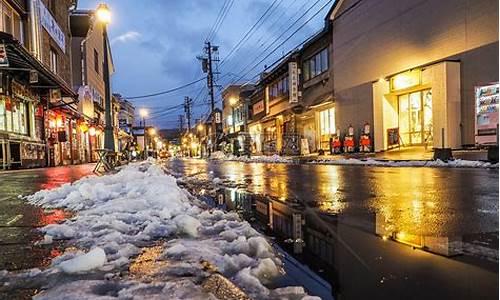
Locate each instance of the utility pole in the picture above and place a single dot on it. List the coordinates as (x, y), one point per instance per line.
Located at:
(210, 76)
(181, 123)
(187, 109)
(211, 53)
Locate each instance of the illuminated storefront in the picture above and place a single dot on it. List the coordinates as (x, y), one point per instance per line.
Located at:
(326, 127)
(21, 142)
(418, 107)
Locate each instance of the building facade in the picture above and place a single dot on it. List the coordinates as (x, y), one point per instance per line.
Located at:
(414, 70)
(37, 111)
(88, 80)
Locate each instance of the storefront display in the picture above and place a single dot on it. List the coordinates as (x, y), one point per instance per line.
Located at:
(487, 114)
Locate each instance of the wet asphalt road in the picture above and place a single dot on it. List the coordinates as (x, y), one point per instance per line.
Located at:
(18, 219)
(449, 206)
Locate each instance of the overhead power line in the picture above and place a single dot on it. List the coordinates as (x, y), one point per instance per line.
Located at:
(166, 91)
(284, 41)
(250, 31)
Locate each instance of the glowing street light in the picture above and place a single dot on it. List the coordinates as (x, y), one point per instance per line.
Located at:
(201, 127)
(152, 131)
(103, 13)
(143, 112)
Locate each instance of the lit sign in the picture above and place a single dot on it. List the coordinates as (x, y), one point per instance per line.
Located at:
(405, 80)
(48, 22)
(258, 107)
(294, 82)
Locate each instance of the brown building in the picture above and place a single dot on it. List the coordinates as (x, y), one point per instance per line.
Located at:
(37, 116)
(88, 52)
(316, 124)
(416, 70)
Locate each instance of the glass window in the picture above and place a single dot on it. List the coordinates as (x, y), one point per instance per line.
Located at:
(15, 117)
(53, 60)
(96, 61)
(307, 72)
(2, 114)
(327, 121)
(318, 64)
(324, 60)
(312, 65)
(22, 118)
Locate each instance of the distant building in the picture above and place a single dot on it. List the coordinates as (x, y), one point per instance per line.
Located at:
(126, 117)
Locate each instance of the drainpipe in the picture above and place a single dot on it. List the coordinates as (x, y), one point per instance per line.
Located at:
(35, 29)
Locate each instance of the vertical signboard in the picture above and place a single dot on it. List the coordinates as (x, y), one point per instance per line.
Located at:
(487, 114)
(49, 23)
(293, 80)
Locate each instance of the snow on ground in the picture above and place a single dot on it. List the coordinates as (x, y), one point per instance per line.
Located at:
(457, 163)
(116, 216)
(219, 155)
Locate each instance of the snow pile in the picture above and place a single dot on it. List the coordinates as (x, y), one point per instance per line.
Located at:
(457, 163)
(219, 155)
(140, 206)
(85, 262)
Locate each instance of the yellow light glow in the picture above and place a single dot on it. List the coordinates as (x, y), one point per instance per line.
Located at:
(384, 237)
(194, 145)
(233, 101)
(143, 112)
(184, 140)
(152, 131)
(401, 235)
(190, 135)
(103, 13)
(405, 80)
(201, 127)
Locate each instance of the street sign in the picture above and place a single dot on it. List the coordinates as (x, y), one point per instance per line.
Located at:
(293, 80)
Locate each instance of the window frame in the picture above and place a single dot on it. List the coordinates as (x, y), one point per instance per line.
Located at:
(53, 61)
(316, 65)
(96, 61)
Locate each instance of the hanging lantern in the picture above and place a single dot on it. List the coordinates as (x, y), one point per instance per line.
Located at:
(92, 131)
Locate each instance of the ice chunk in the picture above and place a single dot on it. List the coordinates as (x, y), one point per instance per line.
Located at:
(59, 231)
(86, 262)
(187, 225)
(266, 270)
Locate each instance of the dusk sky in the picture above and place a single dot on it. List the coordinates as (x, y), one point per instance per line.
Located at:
(155, 44)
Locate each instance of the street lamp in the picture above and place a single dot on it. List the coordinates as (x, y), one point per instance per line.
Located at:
(103, 15)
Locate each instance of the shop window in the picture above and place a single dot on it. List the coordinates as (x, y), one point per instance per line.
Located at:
(315, 65)
(2, 114)
(15, 117)
(327, 121)
(53, 60)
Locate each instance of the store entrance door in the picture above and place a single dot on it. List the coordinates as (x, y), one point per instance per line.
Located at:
(415, 118)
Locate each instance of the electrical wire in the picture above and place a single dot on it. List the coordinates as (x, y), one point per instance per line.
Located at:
(166, 91)
(287, 39)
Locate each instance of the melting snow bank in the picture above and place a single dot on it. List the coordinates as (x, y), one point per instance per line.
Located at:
(140, 206)
(218, 155)
(457, 163)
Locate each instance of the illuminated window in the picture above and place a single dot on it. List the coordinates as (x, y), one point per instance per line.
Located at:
(327, 121)
(2, 114)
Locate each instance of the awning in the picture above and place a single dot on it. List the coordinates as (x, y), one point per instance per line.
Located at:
(21, 60)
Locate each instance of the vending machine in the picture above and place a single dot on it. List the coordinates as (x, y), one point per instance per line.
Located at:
(486, 114)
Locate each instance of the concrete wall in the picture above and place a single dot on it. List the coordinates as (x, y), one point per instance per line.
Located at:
(376, 39)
